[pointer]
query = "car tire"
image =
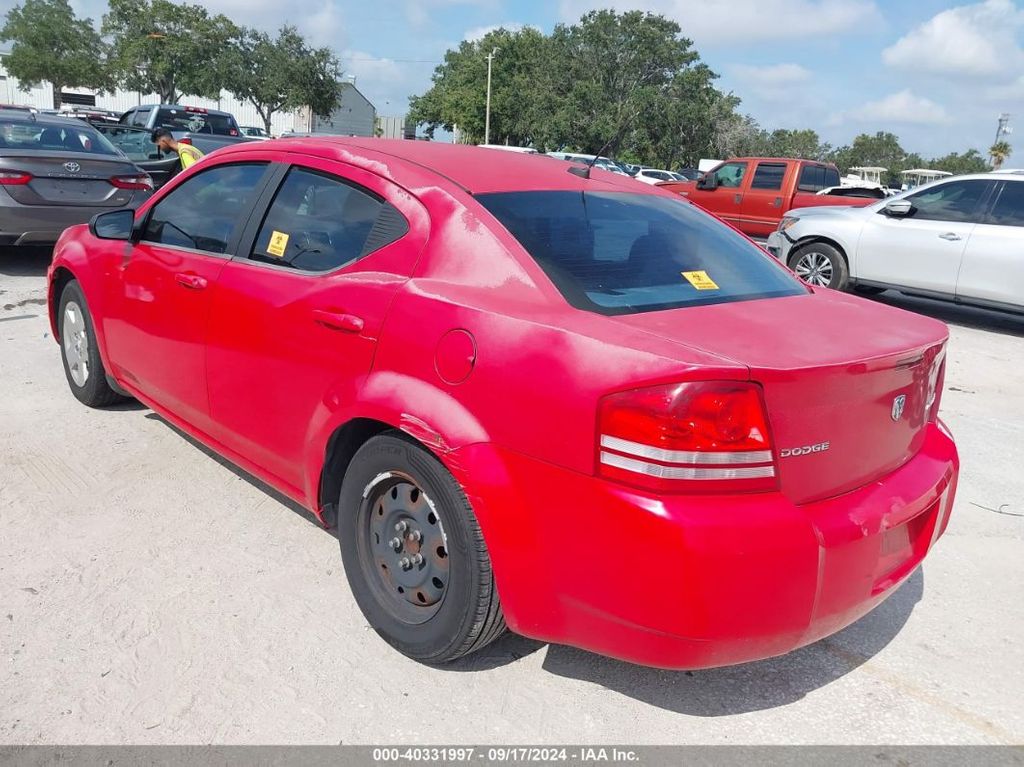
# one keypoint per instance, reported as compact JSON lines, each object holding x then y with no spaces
{"x":820,"y":265}
{"x":397,"y":503}
{"x":79,"y":351}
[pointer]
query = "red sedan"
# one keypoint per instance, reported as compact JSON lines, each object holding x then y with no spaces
{"x":577,"y":406}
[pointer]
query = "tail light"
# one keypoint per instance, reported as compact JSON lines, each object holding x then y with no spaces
{"x":709,"y":436}
{"x":140,"y":181}
{"x":185,"y":140}
{"x":14,"y":177}
{"x":196,"y":110}
{"x":936,"y":380}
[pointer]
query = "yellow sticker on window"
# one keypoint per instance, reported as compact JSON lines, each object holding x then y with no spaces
{"x":700,"y":280}
{"x":278,"y":243}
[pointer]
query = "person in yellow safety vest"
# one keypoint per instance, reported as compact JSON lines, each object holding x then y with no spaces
{"x":165,"y":142}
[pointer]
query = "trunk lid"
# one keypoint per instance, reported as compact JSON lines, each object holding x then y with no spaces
{"x":832,"y":367}
{"x":62,"y":178}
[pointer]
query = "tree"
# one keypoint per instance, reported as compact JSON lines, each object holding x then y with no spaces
{"x":999,"y":151}
{"x":52,"y":45}
{"x":458,"y":95}
{"x":970,"y":161}
{"x":282,"y":73}
{"x":167,"y":48}
{"x":880,"y":150}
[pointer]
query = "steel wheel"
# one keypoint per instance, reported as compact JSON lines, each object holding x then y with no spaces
{"x":76,"y":343}
{"x":814,"y":268}
{"x":403,"y":550}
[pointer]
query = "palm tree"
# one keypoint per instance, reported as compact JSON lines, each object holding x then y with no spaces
{"x":999,"y":152}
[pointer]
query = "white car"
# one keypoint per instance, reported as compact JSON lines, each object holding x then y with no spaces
{"x":959,"y":239}
{"x":654,"y":175}
{"x":507,"y":148}
{"x":602,"y":162}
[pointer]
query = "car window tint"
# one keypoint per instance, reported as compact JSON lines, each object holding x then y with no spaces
{"x":204,"y":211}
{"x":195,"y":122}
{"x":621,"y":253}
{"x":141,"y":118}
{"x":731,"y":174}
{"x":831,"y":177}
{"x":952,"y":201}
{"x":768,"y":175}
{"x":318,"y":222}
{"x":813,"y":178}
{"x":1009,"y":208}
{"x":69,"y":136}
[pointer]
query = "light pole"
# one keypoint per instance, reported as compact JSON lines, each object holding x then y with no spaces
{"x":487,"y":117}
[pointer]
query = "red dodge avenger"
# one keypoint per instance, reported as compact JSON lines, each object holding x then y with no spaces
{"x":527,"y":395}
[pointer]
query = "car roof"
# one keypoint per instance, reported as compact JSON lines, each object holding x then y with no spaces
{"x":474,"y":169}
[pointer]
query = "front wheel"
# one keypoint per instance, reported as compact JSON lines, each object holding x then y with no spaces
{"x":820,"y":265}
{"x":81,"y":356}
{"x":414,"y":554}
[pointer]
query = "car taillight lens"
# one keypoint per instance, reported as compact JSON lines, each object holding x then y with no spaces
{"x":142,"y":181}
{"x":936,"y":380}
{"x":14,"y":177}
{"x":709,"y":436}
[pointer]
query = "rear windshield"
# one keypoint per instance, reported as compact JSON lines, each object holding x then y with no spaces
{"x":196,"y":122}
{"x":43,"y":137}
{"x":136,"y":143}
{"x":622,"y":253}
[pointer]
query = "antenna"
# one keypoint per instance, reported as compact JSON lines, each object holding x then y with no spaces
{"x":585,"y":172}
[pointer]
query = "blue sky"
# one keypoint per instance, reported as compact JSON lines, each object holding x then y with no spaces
{"x":935,"y":72}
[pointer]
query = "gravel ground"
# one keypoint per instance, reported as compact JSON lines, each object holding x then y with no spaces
{"x":152,"y":593}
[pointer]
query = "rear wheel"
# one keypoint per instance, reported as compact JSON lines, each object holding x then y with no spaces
{"x":820,"y":265}
{"x":81,"y":356}
{"x":414,"y":554}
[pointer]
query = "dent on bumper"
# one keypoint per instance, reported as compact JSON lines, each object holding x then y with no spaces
{"x":693,"y":582}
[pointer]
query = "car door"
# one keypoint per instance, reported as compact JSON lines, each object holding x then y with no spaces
{"x":761,"y":205}
{"x":993,"y":266}
{"x":924,"y":249}
{"x":156,"y":324}
{"x":725,"y":199}
{"x":295,"y":317}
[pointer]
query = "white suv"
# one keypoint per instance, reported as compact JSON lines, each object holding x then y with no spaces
{"x":959,"y":239}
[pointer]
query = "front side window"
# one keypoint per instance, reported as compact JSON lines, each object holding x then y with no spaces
{"x":768,"y":175}
{"x":204,"y":212}
{"x":622,"y":253}
{"x":318,"y":223}
{"x":1009,"y":208}
{"x":952,"y":201}
{"x":731,"y":174}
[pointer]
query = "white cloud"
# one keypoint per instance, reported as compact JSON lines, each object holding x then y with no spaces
{"x":970,"y":40}
{"x":719,"y":21}
{"x":902,"y":108}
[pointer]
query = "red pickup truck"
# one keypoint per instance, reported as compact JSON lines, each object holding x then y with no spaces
{"x":754,"y":193}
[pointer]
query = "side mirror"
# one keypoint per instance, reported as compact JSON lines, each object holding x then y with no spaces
{"x":898,"y":208}
{"x":113,"y":225}
{"x":708,"y":181}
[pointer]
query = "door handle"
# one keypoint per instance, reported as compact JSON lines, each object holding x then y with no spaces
{"x":191,"y":281}
{"x":346,"y":323}
{"x":951,"y":236}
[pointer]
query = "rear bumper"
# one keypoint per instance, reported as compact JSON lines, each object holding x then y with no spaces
{"x":693,"y":582}
{"x":43,"y":224}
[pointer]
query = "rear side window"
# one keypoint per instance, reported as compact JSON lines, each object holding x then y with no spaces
{"x":814,"y":178}
{"x":1009,"y":208}
{"x":768,"y":175}
{"x":196,"y":122}
{"x":204,"y":212}
{"x":621,"y":253}
{"x":952,"y":201}
{"x":318,"y":222}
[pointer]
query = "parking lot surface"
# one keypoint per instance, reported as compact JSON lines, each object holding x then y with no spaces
{"x":152,"y":593}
